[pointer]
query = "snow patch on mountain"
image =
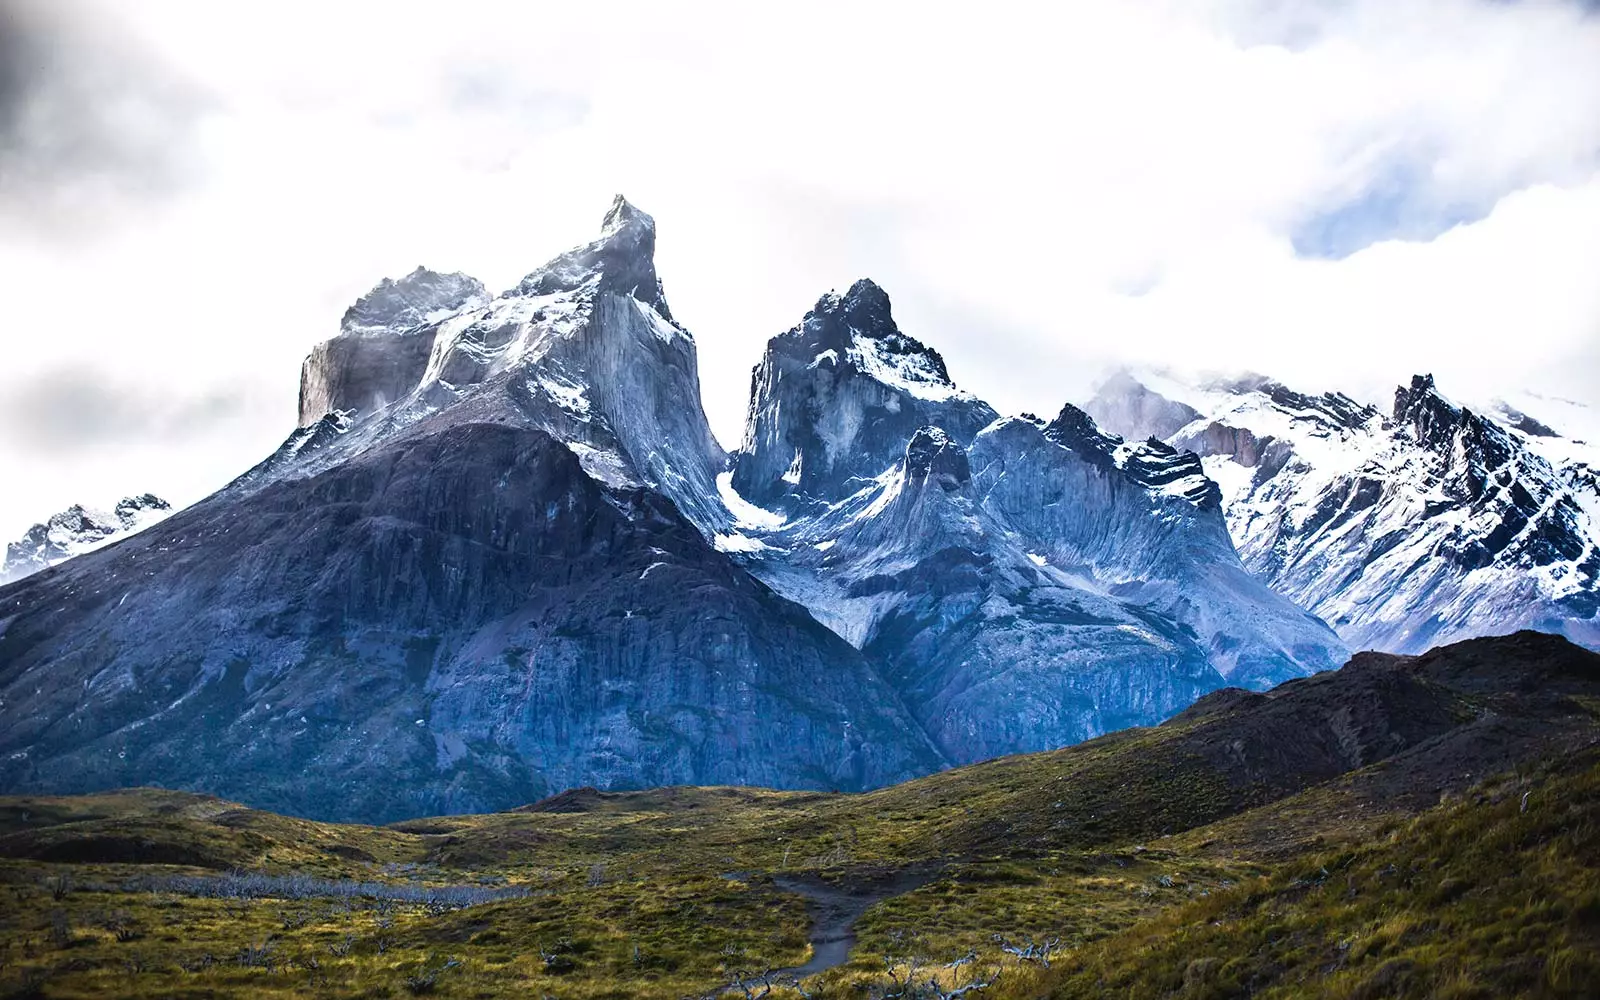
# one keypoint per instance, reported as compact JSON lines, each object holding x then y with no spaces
{"x":835,"y":399}
{"x":896,"y":364}
{"x":745,"y":514}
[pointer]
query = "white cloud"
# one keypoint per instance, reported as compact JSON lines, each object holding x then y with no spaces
{"x":1042,"y":193}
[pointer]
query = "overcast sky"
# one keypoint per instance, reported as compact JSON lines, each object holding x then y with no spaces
{"x":1336,"y":194}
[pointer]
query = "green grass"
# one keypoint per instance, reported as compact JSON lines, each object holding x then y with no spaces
{"x":1155,"y":878}
{"x":1477,"y":897}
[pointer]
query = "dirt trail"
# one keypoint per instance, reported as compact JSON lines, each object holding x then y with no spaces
{"x":836,"y":908}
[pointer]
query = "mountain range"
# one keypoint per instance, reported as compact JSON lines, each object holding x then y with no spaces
{"x":1402,"y":528}
{"x":502,"y":554}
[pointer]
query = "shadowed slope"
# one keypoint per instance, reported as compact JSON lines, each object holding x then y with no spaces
{"x":460,"y":621}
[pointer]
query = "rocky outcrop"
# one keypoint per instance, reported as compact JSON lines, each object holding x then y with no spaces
{"x":384,"y":344}
{"x":360,"y":375}
{"x":932,"y":455}
{"x":421,"y":298}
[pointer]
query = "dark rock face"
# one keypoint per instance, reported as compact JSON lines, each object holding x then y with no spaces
{"x":1156,"y":465}
{"x":1076,"y":431}
{"x":835,"y":399}
{"x":930,"y":454}
{"x":131,"y":511}
{"x":1467,"y":448}
{"x":461,"y":621}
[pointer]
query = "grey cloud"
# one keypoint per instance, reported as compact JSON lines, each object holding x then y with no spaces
{"x":78,"y":410}
{"x":87,"y":120}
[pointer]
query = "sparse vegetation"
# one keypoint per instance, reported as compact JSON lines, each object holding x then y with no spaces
{"x":1129,"y":866}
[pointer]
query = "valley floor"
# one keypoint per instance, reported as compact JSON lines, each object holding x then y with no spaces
{"x":1490,"y":891}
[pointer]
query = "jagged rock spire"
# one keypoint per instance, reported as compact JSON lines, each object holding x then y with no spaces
{"x":1073,"y":428}
{"x":837,"y":322}
{"x":621,"y":260}
{"x":835,"y":397}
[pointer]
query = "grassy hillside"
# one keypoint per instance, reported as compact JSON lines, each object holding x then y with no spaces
{"x":1494,"y":893}
{"x":1403,"y":827}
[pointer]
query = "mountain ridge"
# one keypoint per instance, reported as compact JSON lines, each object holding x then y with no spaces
{"x":1402,"y":529}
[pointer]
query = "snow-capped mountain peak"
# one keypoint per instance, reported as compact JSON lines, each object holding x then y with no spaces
{"x":1075,"y":430}
{"x":858,"y":329}
{"x":621,"y":260}
{"x":77,"y":530}
{"x":1423,"y":411}
{"x":1432,"y":523}
{"x":583,"y":348}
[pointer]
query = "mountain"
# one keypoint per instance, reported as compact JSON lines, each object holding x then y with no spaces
{"x":584,"y":349}
{"x":834,"y":401}
{"x":471,"y":586}
{"x":502,"y":555}
{"x":1423,"y":523}
{"x":76,"y":530}
{"x":1025,"y":584}
{"x":1379,"y":830}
